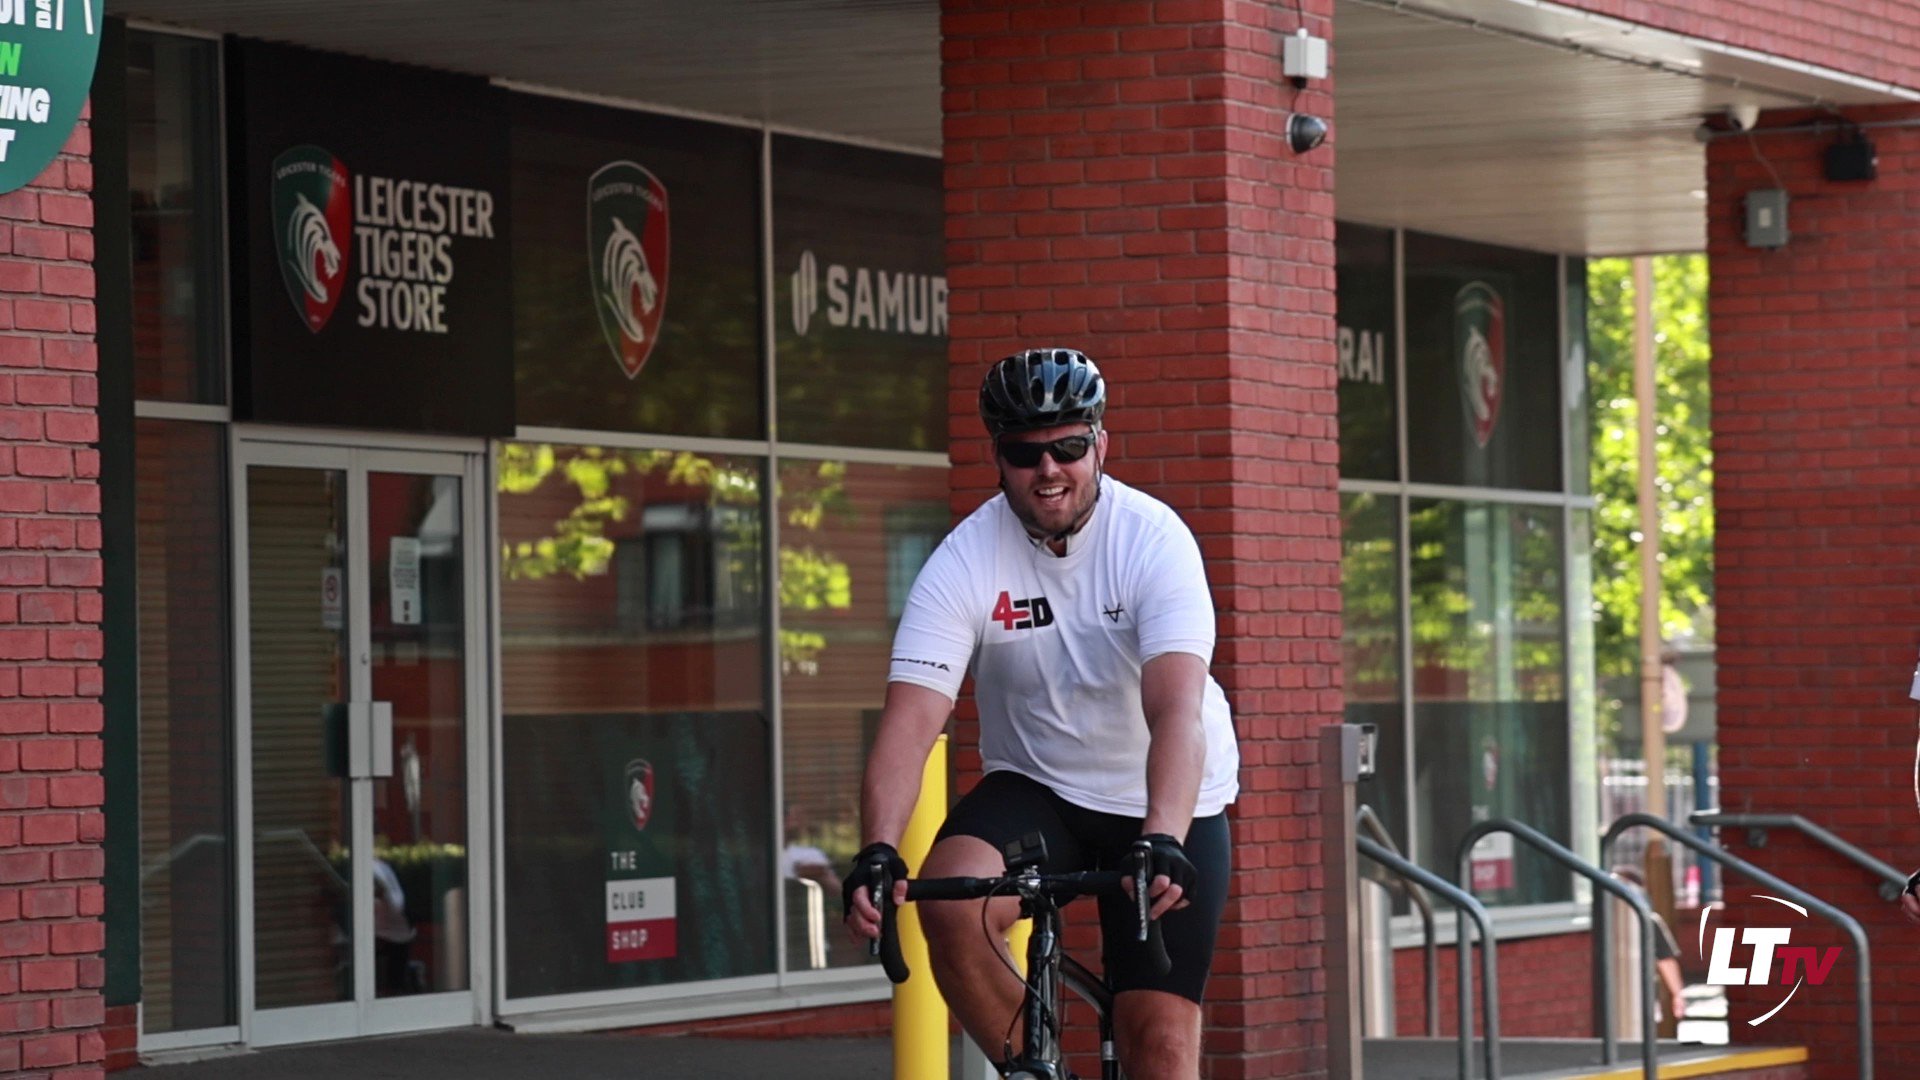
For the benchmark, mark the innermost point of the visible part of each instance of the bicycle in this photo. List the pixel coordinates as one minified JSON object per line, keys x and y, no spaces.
{"x":1050,"y":971}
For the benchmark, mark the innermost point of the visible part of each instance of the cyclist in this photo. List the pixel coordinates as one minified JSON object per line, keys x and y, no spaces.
{"x":1081,"y":607}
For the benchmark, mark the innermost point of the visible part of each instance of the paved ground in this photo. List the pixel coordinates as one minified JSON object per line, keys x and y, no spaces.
{"x":481,"y":1054}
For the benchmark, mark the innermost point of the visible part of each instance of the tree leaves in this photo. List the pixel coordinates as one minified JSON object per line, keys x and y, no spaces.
{"x":1684,"y":455}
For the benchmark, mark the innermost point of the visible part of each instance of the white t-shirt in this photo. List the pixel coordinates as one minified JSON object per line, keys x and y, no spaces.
{"x":1056,"y":644}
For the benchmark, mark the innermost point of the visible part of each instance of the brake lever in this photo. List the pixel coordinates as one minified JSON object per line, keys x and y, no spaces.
{"x":1142,"y":863}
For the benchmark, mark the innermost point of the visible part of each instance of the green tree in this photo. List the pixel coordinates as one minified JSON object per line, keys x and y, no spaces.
{"x":578,"y":545}
{"x":1684,"y":455}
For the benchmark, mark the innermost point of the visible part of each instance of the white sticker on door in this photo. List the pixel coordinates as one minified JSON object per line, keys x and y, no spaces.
{"x":403,"y":580}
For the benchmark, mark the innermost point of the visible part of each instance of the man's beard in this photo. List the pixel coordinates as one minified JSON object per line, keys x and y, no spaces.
{"x":1023,"y":507}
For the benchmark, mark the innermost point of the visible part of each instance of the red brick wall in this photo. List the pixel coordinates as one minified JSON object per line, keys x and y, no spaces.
{"x":1546,"y":988}
{"x":1117,"y":179}
{"x":872,"y":1020}
{"x":1879,"y":41}
{"x":1816,"y":417}
{"x":50,"y":719}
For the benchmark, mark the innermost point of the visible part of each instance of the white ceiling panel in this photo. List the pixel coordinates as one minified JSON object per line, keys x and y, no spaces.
{"x":1510,"y":121}
{"x":865,"y":68}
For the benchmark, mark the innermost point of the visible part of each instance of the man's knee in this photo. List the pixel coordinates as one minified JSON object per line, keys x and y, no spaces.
{"x":956,"y":924}
{"x":1159,"y":1033}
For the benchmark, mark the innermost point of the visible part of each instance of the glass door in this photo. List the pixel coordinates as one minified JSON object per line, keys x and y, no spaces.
{"x":359,"y":603}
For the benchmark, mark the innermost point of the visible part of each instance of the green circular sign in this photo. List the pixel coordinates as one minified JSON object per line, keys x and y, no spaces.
{"x":47,"y":52}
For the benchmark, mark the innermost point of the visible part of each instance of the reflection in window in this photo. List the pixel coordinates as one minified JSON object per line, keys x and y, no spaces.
{"x":853,"y":537}
{"x":1489,"y":683}
{"x":187,"y":906}
{"x":173,"y":176}
{"x":1370,"y":646}
{"x":632,"y":655}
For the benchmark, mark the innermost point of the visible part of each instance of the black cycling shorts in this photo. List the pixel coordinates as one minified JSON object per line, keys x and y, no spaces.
{"x":1005,"y":806}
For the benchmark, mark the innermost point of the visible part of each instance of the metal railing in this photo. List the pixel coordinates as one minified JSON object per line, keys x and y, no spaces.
{"x":1489,"y":990}
{"x":1430,"y":949}
{"x":1892,"y":881}
{"x":1863,"y":974}
{"x":1603,"y":969}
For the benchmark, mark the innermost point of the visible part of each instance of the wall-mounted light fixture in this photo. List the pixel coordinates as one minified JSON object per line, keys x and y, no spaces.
{"x":1852,"y":157}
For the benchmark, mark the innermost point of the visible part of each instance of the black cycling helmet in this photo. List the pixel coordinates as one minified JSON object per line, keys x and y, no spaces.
{"x":1040,"y":388}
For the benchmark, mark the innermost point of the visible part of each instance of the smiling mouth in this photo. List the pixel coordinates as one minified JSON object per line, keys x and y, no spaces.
{"x":1050,"y":494}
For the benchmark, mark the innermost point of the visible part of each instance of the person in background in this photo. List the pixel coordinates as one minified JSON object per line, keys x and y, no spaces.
{"x":1666,"y":951}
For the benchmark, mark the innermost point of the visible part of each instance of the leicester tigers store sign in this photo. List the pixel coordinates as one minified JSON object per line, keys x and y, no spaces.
{"x":371,"y":244}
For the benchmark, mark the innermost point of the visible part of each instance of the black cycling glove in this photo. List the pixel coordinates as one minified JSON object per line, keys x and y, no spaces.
{"x":873,"y":857}
{"x":1166,"y":856}
{"x":1913,"y":883}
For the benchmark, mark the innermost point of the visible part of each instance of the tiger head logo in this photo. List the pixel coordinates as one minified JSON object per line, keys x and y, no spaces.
{"x":627,"y":257}
{"x":312,"y":209}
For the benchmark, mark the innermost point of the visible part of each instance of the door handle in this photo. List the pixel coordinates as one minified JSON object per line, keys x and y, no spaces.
{"x":381,"y":726}
{"x":370,"y":739}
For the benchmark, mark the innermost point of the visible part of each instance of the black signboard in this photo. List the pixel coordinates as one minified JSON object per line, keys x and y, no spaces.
{"x":370,"y":244}
{"x":860,"y":296}
{"x":639,"y":850}
{"x":1363,"y":300}
{"x":1483,"y":365}
{"x":636,"y":271}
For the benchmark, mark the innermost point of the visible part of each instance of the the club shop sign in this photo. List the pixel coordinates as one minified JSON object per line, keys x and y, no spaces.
{"x":47,"y":52}
{"x":382,"y":215}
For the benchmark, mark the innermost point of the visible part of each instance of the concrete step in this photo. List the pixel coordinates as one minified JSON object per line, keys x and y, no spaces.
{"x":1580,"y":1059}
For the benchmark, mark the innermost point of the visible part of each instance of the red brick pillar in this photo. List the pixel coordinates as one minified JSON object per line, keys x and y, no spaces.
{"x":1816,"y":420}
{"x":51,"y":825}
{"x":1118,"y":180}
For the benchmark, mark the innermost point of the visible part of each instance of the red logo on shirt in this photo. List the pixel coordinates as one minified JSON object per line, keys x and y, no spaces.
{"x":1026,"y":614}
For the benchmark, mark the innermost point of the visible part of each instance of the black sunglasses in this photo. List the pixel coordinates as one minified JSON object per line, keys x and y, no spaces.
{"x":1026,"y":455}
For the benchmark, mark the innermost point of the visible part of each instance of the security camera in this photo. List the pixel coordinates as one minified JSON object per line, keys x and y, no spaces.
{"x":1742,"y":116}
{"x":1305,"y":131}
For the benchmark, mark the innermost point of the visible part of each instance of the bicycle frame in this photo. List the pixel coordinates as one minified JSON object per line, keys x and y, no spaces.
{"x":1049,"y":972}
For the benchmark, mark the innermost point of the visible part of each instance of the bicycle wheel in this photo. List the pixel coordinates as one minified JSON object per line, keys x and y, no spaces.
{"x":1093,"y":990}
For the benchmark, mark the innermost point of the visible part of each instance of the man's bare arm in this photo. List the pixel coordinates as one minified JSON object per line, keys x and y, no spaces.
{"x":1172,"y":687}
{"x":910,"y":721}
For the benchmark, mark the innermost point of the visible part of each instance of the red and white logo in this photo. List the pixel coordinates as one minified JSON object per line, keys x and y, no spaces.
{"x":639,"y":776}
{"x":1480,"y":351}
{"x":627,"y":257}
{"x":1799,"y":964}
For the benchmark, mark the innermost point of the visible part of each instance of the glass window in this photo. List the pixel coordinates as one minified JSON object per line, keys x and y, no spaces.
{"x":1582,"y":691}
{"x":1370,"y":646}
{"x":636,"y":271}
{"x":1483,"y":334}
{"x":1490,"y":689}
{"x":1363,"y":299}
{"x":860,"y":296}
{"x":187,"y":906}
{"x":1574,"y":379}
{"x":850,"y":536}
{"x":638,"y":767}
{"x":173,"y":176}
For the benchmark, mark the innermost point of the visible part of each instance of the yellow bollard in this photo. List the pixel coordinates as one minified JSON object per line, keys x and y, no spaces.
{"x":920,"y":1046}
{"x":1017,"y":936}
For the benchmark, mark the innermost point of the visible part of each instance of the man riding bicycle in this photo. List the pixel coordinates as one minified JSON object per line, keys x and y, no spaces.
{"x":1081,"y":607}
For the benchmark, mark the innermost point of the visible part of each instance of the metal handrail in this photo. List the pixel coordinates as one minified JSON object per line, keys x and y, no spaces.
{"x":1863,"y":971}
{"x":1892,"y":881}
{"x":1546,"y":845}
{"x":1365,"y":818}
{"x":1490,"y":988}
